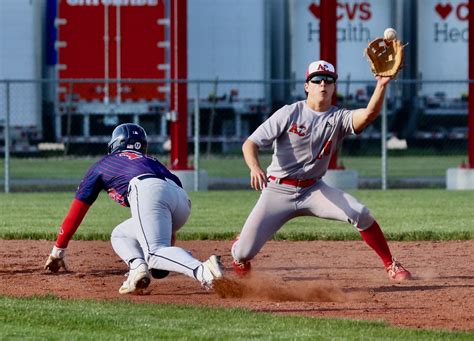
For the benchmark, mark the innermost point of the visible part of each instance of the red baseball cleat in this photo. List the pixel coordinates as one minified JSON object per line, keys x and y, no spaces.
{"x":396,"y":272}
{"x":241,"y":268}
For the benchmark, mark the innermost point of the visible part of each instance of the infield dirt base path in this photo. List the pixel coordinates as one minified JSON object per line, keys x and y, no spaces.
{"x":317,"y":278}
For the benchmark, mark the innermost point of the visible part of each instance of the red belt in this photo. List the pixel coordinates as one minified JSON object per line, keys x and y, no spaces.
{"x":293,"y":182}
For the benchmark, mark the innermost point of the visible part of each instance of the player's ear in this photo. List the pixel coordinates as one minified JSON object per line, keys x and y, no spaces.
{"x":306,"y":86}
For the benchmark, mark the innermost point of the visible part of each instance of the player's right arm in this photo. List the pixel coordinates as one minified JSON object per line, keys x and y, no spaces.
{"x":86,"y":194}
{"x":258,"y":178}
{"x":264,"y":136}
{"x":72,"y":220}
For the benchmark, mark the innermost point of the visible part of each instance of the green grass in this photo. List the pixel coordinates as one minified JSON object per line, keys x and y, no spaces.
{"x":403,"y":214}
{"x":48,"y":168}
{"x":52,"y":318}
{"x":234,"y":166}
{"x":401,"y":167}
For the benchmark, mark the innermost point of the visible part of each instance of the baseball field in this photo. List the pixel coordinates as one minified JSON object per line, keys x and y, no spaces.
{"x":316,"y":280}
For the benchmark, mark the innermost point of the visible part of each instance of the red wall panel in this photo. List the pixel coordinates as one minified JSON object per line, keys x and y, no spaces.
{"x":82,"y":55}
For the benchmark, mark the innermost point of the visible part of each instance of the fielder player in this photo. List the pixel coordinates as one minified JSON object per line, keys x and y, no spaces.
{"x":159,"y":207}
{"x":304,"y":135}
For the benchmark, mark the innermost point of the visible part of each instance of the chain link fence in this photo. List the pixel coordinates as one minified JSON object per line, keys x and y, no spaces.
{"x":423,"y":131}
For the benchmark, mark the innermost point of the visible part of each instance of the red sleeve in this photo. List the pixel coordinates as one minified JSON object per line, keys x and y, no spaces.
{"x":71,"y":222}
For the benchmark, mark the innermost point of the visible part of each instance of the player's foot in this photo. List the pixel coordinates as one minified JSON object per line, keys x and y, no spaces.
{"x":137,"y":280}
{"x":211,"y":270}
{"x":396,"y":272}
{"x":241,"y":268}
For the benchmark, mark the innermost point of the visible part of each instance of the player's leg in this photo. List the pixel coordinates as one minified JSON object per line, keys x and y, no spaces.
{"x":332,"y":203}
{"x":125,"y":244}
{"x":328,"y":202}
{"x":272,"y":210}
{"x":162,"y":207}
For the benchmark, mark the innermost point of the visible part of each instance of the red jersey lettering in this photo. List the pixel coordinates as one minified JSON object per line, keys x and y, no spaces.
{"x":300,"y":131}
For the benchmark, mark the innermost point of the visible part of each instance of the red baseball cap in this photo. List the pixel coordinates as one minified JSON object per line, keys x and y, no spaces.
{"x":320,"y":67}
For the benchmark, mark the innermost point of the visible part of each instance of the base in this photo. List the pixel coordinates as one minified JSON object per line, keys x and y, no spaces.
{"x":187,"y":177}
{"x":460,"y":178}
{"x":342,"y":179}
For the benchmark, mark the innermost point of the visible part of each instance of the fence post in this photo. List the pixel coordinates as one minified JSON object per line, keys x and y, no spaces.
{"x":384,"y":145}
{"x":7,"y":138}
{"x":211,"y":119}
{"x":196,"y":139}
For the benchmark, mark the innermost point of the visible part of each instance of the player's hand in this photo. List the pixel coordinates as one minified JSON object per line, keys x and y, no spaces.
{"x":258,"y":179}
{"x":56,"y":260}
{"x":383,"y":80}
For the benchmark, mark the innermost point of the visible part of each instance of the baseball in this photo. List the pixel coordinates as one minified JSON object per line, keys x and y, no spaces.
{"x":389,"y":34}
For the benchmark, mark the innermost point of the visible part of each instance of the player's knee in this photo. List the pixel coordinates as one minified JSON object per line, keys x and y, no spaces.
{"x":116,"y":234}
{"x":154,"y":248}
{"x":365,"y":219}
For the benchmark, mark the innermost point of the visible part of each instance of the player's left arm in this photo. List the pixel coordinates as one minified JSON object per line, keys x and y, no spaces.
{"x":361,"y":118}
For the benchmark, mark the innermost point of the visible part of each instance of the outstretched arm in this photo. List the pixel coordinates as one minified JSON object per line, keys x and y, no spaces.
{"x":258,"y":178}
{"x":361,"y":118}
{"x":71,"y":222}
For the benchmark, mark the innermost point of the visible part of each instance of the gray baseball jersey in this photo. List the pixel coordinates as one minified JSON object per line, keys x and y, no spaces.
{"x":303,"y":141}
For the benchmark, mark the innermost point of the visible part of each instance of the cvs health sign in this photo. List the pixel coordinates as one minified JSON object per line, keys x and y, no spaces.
{"x":442,"y":44}
{"x":358,"y":22}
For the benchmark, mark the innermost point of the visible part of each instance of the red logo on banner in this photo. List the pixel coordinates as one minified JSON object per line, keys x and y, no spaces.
{"x":313,"y":8}
{"x":352,"y":11}
{"x":443,"y":10}
{"x":461,"y":10}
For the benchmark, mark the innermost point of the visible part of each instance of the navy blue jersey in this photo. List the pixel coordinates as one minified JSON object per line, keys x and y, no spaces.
{"x":113,"y":172}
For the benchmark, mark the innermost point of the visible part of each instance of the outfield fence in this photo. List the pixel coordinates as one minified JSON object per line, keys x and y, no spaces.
{"x":421,"y":132}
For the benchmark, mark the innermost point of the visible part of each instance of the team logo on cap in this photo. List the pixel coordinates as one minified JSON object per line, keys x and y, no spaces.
{"x":137,"y":145}
{"x":323,"y":67}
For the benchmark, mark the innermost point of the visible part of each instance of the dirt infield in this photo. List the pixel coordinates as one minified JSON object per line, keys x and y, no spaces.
{"x":322,"y":279}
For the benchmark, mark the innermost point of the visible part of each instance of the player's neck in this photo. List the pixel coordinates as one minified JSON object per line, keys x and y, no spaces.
{"x":319,"y":106}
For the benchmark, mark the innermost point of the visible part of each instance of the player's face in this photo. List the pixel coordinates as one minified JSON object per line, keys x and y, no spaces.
{"x":320,"y":87}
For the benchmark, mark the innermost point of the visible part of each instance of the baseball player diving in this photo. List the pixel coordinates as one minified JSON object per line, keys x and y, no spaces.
{"x":159,"y":208}
{"x":304,"y":135}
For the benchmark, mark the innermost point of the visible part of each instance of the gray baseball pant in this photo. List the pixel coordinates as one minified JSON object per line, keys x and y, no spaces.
{"x":159,"y":207}
{"x":278,"y":203}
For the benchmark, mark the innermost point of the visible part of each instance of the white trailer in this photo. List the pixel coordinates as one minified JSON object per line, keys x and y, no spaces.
{"x":229,"y":40}
{"x":20,"y":60}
